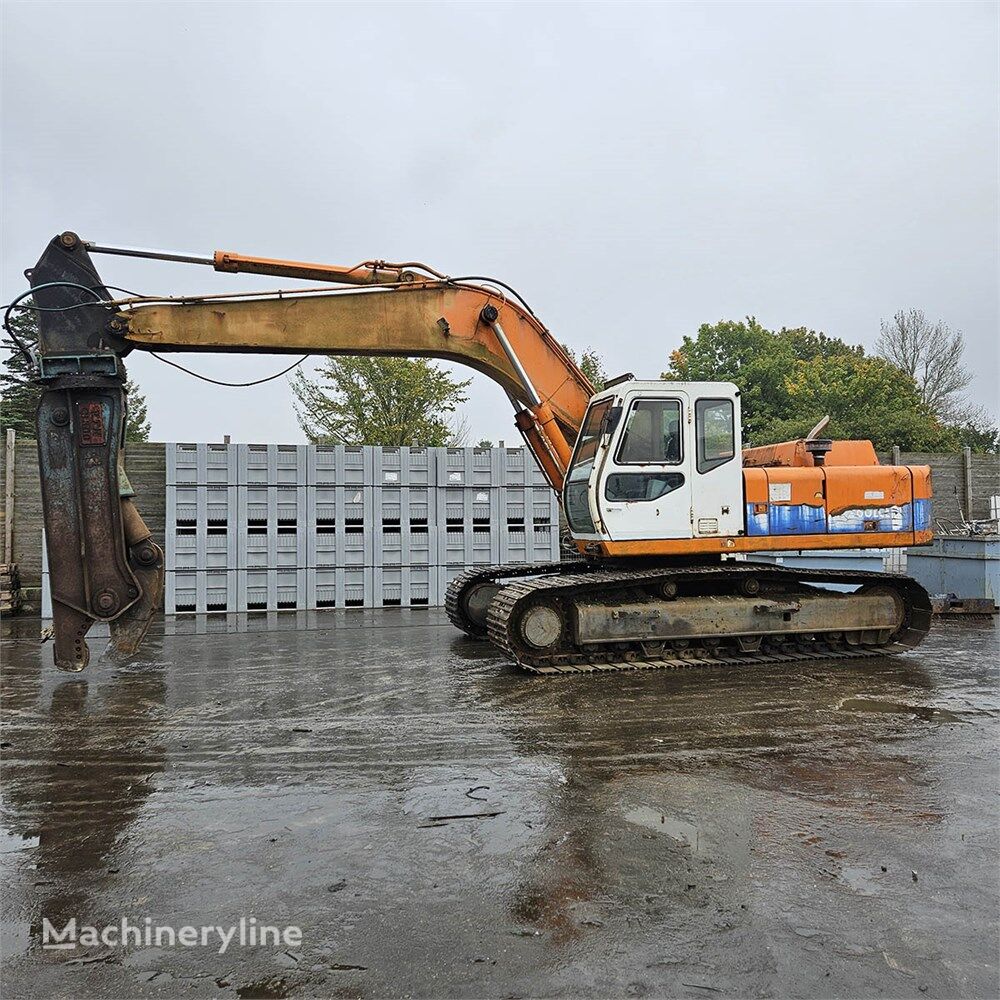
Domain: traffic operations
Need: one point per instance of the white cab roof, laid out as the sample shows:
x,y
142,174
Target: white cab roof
x,y
722,389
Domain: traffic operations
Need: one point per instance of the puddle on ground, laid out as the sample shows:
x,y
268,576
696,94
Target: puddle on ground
x,y
686,834
10,842
925,712
15,937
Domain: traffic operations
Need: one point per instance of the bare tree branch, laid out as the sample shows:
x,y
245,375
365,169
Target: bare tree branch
x,y
460,431
931,354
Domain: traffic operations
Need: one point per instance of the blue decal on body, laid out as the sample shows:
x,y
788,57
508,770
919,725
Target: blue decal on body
x,y
804,519
921,515
797,519
756,523
897,517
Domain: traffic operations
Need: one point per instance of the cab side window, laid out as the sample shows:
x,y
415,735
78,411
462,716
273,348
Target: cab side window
x,y
714,433
632,486
653,434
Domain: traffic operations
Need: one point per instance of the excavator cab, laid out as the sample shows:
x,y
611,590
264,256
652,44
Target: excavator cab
x,y
657,460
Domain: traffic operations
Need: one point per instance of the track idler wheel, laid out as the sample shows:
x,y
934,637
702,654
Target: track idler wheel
x,y
541,627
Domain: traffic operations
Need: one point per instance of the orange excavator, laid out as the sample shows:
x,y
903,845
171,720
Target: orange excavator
x,y
662,502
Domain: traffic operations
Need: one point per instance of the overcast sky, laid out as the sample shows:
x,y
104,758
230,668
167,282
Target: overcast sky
x,y
634,170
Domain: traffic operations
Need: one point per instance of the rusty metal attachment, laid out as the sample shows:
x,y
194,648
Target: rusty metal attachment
x,y
79,431
146,562
103,564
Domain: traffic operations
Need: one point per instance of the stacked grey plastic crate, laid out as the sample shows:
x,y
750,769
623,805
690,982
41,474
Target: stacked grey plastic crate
x,y
272,527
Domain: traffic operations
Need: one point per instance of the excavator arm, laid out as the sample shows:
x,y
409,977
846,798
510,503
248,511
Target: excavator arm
x,y
103,563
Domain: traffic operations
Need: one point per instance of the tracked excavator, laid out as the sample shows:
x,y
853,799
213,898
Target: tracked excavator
x,y
663,503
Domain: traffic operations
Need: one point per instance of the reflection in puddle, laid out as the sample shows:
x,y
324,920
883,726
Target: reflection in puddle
x,y
686,834
15,842
862,880
15,937
925,712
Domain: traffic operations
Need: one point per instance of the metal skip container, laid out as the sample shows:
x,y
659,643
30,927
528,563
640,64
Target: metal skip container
x,y
966,566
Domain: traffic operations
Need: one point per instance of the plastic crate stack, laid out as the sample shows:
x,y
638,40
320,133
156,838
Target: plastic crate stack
x,y
274,527
235,527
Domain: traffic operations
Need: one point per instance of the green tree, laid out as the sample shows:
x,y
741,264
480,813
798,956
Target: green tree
x,y
758,361
591,364
20,387
484,443
865,398
137,424
979,434
381,401
791,377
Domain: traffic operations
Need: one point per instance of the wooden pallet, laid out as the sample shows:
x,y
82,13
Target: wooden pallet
x,y
10,589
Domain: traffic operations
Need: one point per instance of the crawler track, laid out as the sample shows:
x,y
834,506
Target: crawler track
x,y
458,589
557,585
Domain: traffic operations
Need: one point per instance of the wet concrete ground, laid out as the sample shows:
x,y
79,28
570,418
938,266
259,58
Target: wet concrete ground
x,y
793,831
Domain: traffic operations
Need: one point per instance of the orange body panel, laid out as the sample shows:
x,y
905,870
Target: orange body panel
x,y
793,454
805,485
852,453
859,488
921,481
755,486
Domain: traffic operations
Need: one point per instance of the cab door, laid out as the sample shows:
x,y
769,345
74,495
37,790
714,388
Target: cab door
x,y
644,485
716,464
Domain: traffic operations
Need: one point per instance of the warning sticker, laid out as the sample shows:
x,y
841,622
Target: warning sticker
x,y
779,491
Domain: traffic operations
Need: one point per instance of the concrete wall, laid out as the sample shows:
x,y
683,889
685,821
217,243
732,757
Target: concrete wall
x,y
949,480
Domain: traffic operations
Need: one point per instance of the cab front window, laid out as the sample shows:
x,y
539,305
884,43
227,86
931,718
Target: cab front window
x,y
586,445
576,495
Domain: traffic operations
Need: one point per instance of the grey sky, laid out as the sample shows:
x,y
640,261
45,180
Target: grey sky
x,y
633,170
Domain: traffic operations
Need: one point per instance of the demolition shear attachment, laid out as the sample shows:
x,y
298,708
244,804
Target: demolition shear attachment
x,y
103,563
